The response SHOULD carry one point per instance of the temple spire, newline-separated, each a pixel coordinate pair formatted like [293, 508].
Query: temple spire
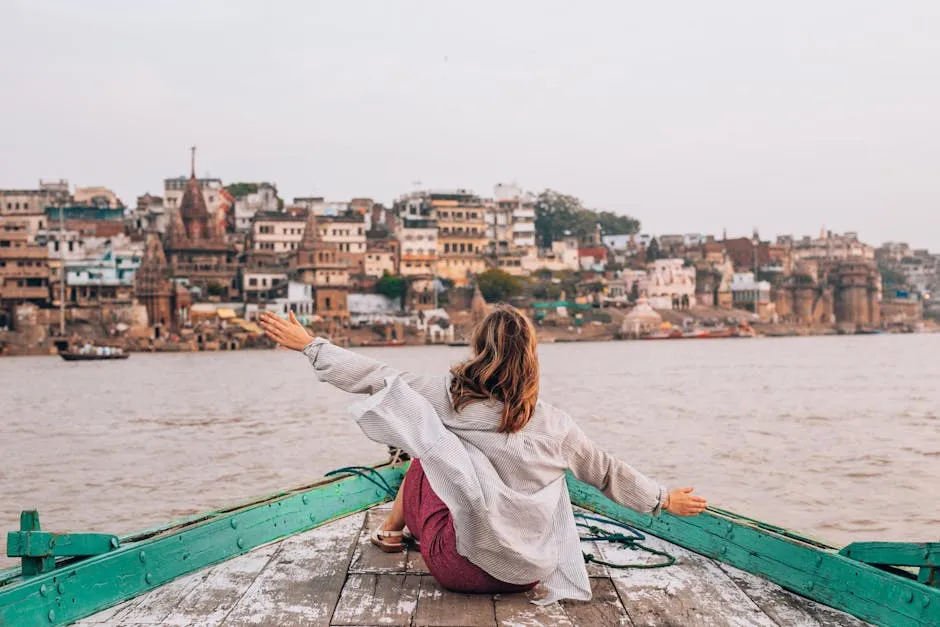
[192, 160]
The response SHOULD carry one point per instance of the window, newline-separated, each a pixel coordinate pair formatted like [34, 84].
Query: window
[252, 282]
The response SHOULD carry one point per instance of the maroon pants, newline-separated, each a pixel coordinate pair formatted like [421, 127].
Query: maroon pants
[430, 522]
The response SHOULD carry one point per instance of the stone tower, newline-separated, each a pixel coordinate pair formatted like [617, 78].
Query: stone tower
[152, 285]
[196, 248]
[317, 264]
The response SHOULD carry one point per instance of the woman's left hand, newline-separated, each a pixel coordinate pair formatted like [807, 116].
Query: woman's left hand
[289, 334]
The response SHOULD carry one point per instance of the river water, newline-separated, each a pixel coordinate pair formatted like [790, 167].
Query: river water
[837, 437]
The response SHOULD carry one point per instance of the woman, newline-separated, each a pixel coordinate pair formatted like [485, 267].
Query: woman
[485, 496]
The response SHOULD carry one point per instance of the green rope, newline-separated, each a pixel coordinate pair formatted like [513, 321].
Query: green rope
[632, 541]
[367, 473]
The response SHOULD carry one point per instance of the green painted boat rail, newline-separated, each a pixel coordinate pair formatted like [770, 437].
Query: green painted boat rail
[871, 591]
[80, 586]
[38, 549]
[924, 556]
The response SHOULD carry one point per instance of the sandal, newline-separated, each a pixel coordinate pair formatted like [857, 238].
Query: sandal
[378, 539]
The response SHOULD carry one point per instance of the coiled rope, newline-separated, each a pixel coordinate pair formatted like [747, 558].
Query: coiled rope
[631, 541]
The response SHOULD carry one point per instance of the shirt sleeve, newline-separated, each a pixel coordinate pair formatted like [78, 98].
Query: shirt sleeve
[351, 371]
[617, 480]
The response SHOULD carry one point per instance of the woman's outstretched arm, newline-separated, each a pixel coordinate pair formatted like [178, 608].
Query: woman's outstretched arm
[623, 484]
[337, 366]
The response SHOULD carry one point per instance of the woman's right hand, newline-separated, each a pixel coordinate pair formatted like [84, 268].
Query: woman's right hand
[289, 334]
[681, 502]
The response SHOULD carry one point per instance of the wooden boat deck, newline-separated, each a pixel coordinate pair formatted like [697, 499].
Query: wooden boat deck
[331, 575]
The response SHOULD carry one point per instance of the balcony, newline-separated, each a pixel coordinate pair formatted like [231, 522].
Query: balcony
[523, 214]
[523, 227]
[32, 272]
[23, 252]
[442, 235]
[24, 293]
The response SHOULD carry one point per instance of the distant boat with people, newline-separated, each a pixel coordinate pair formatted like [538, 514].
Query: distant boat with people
[89, 352]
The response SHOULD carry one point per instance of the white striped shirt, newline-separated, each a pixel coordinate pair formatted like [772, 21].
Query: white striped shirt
[506, 491]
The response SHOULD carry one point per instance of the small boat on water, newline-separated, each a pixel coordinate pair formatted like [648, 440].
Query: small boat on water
[670, 334]
[371, 343]
[303, 557]
[717, 332]
[89, 352]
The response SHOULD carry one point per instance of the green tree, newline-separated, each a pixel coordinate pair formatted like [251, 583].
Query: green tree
[391, 286]
[239, 190]
[499, 286]
[892, 279]
[652, 251]
[557, 215]
[616, 224]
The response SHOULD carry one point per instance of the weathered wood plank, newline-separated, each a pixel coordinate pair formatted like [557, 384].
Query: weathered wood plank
[438, 607]
[416, 565]
[110, 615]
[517, 610]
[223, 586]
[787, 608]
[377, 599]
[368, 558]
[302, 582]
[153, 607]
[603, 609]
[692, 593]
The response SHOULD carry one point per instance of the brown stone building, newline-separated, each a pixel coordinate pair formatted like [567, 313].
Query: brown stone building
[152, 285]
[197, 250]
[832, 292]
[24, 270]
[317, 263]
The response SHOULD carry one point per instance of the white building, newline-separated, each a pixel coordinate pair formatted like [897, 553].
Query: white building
[619, 243]
[261, 284]
[563, 255]
[299, 300]
[746, 293]
[277, 233]
[670, 284]
[518, 210]
[262, 201]
[418, 245]
[376, 309]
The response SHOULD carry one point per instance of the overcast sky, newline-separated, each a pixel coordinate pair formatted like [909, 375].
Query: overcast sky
[692, 116]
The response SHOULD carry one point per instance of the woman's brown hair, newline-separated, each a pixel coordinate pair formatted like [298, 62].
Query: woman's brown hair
[504, 367]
